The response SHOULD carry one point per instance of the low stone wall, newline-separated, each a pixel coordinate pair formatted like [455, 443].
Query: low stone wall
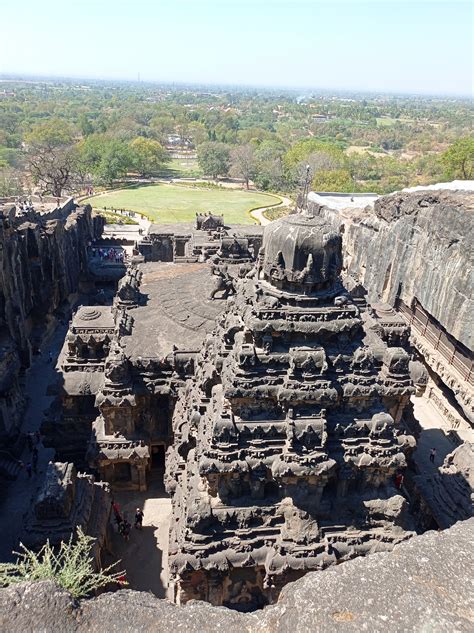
[424, 584]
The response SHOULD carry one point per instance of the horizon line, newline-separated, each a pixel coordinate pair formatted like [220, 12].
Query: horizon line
[22, 76]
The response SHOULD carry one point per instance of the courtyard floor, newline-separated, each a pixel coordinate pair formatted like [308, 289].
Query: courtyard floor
[144, 556]
[433, 435]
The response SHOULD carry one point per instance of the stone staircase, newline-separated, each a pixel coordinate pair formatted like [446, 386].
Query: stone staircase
[9, 466]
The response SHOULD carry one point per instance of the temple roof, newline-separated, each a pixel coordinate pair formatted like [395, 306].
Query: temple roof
[176, 310]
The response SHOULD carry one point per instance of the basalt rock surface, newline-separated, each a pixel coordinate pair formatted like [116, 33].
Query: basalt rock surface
[423, 584]
[42, 259]
[416, 244]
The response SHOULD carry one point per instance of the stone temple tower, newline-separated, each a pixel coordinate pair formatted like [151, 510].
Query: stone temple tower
[290, 437]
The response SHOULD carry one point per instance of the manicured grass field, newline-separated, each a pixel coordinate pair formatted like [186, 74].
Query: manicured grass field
[165, 203]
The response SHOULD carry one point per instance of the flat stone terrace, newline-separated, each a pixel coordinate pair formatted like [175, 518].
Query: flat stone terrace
[175, 311]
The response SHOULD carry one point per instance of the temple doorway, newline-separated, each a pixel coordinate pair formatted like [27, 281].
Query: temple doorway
[122, 472]
[158, 457]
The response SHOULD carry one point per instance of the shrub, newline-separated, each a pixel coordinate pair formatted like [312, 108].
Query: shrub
[71, 566]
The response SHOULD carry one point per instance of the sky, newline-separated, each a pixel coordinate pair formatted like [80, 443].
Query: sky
[380, 45]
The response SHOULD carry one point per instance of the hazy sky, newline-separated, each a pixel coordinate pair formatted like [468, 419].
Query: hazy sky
[381, 45]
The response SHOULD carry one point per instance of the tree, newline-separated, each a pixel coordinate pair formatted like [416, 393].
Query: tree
[50, 155]
[148, 156]
[214, 159]
[333, 180]
[302, 150]
[10, 184]
[105, 159]
[269, 166]
[458, 160]
[243, 163]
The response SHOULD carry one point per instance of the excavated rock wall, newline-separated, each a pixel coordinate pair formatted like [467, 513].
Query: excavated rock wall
[417, 244]
[42, 259]
[424, 584]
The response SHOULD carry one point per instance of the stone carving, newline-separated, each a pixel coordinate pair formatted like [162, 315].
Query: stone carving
[290, 434]
[223, 282]
[447, 496]
[209, 221]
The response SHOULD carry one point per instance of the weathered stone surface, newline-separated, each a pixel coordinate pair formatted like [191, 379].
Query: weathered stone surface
[448, 495]
[424, 584]
[289, 437]
[42, 259]
[68, 500]
[417, 244]
[415, 249]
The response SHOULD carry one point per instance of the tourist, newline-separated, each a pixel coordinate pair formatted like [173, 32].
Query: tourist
[50, 357]
[117, 514]
[139, 519]
[38, 438]
[29, 469]
[432, 455]
[29, 440]
[124, 529]
[399, 481]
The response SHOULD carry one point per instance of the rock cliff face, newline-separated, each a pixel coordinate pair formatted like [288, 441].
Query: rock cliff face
[42, 259]
[417, 244]
[423, 584]
[447, 496]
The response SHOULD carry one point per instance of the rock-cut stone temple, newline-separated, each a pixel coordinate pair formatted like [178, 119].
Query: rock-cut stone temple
[289, 436]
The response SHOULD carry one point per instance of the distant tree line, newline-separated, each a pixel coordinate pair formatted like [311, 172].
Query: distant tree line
[60, 136]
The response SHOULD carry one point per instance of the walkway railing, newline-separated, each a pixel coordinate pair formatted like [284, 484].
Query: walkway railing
[426, 326]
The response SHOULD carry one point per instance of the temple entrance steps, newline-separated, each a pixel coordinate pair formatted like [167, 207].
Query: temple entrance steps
[9, 466]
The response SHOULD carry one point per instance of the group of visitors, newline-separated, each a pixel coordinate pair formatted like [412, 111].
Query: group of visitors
[124, 527]
[129, 214]
[111, 254]
[25, 205]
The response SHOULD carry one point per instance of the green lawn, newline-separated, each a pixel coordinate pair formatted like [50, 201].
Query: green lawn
[181, 168]
[165, 203]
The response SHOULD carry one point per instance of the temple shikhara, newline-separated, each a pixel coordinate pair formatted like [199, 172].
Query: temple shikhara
[289, 436]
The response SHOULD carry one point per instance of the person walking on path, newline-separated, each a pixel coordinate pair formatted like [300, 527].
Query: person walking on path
[28, 469]
[139, 519]
[432, 455]
[29, 440]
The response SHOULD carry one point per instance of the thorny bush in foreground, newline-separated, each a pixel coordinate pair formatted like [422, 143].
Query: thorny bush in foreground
[72, 567]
